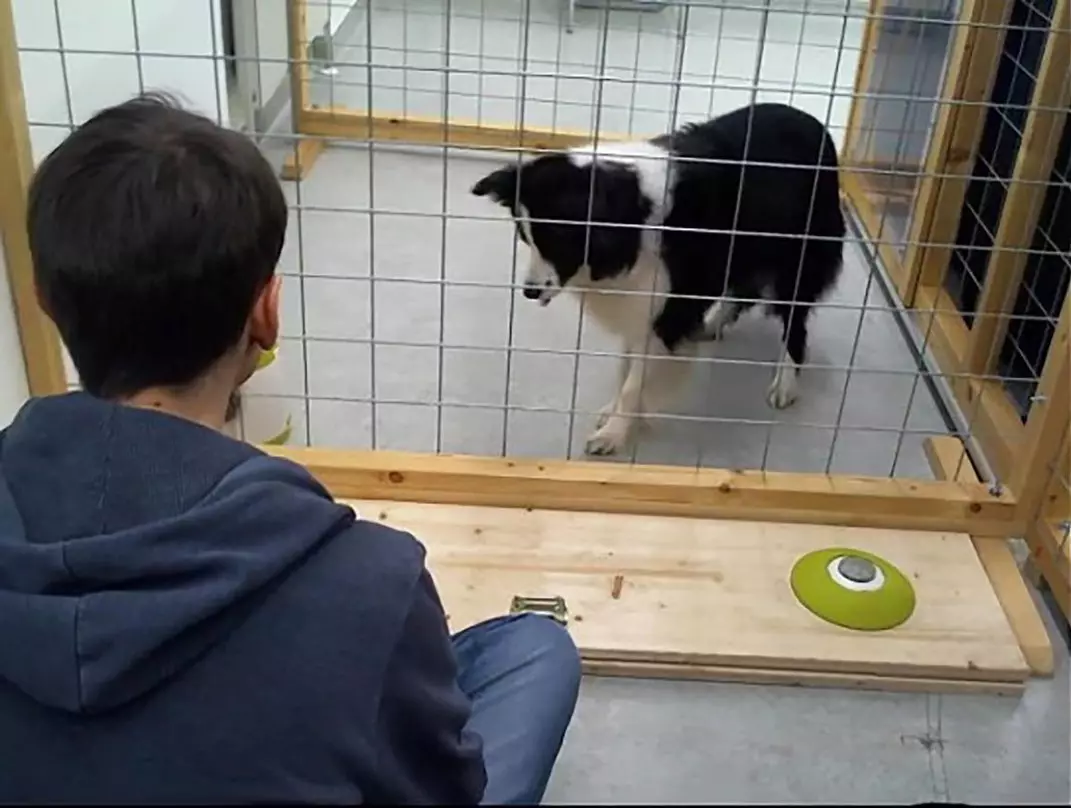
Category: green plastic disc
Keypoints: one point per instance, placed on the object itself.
(853, 589)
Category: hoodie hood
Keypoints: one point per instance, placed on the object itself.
(132, 541)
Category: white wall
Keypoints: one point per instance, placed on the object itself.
(13, 387)
(271, 43)
(181, 35)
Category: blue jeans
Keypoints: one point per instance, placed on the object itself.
(523, 675)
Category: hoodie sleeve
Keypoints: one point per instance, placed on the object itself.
(427, 755)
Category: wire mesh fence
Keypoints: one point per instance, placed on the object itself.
(405, 325)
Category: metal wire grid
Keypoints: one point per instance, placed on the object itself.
(639, 80)
(870, 303)
(598, 109)
(1046, 281)
(1002, 136)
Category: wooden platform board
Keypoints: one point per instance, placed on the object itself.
(711, 599)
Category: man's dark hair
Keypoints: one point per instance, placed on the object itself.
(152, 231)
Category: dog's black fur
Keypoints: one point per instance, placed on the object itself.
(774, 200)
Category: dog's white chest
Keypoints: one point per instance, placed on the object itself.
(626, 306)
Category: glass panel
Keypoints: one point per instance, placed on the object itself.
(1013, 89)
(911, 44)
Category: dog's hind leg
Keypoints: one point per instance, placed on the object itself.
(784, 389)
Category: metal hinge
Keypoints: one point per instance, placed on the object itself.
(553, 608)
(321, 52)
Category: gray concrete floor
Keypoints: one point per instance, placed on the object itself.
(640, 741)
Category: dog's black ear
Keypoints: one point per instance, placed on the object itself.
(500, 185)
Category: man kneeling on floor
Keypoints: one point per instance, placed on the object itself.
(184, 619)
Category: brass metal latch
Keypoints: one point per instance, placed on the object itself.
(553, 608)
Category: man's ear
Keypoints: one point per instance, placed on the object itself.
(264, 321)
(500, 185)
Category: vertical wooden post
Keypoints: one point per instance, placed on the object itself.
(1057, 505)
(306, 149)
(1022, 206)
(40, 342)
(1048, 535)
(1039, 456)
(948, 460)
(863, 71)
(297, 42)
(954, 144)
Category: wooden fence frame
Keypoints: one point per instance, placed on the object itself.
(956, 504)
(40, 343)
(1025, 456)
(965, 356)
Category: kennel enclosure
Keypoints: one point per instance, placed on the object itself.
(645, 556)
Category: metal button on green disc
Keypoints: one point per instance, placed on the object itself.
(857, 569)
(853, 589)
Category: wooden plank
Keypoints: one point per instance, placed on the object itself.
(659, 490)
(784, 678)
(344, 124)
(302, 157)
(860, 87)
(948, 459)
(1046, 535)
(306, 150)
(953, 146)
(40, 342)
(297, 38)
(1057, 505)
(354, 125)
(1049, 554)
(707, 592)
(1022, 205)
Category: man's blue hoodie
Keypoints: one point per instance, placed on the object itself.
(184, 619)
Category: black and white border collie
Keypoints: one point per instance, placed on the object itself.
(669, 240)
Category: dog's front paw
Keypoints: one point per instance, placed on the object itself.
(610, 438)
(604, 414)
(783, 390)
